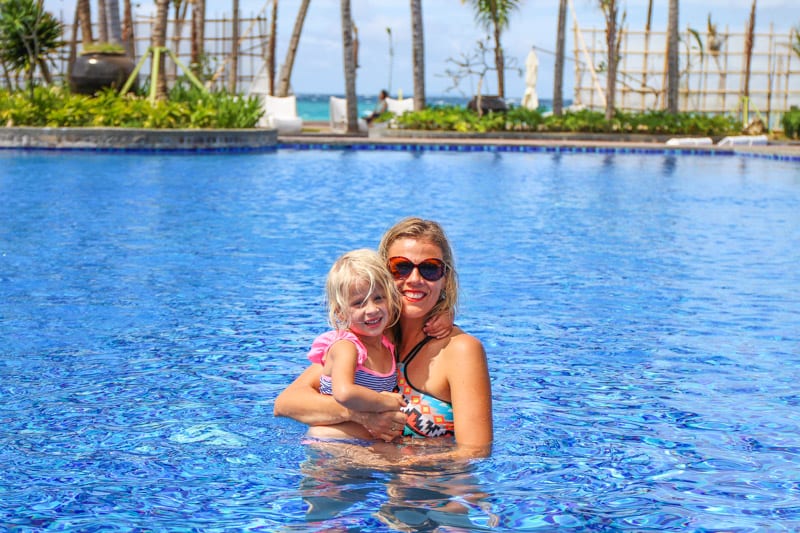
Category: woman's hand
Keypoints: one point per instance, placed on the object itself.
(386, 425)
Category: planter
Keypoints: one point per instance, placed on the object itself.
(94, 71)
(488, 103)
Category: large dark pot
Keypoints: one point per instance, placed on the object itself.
(488, 103)
(94, 71)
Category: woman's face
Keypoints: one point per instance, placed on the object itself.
(418, 295)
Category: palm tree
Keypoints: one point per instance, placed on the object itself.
(418, 54)
(273, 37)
(83, 10)
(494, 16)
(114, 25)
(610, 11)
(28, 36)
(349, 68)
(234, 74)
(159, 42)
(127, 28)
(102, 21)
(673, 73)
(291, 52)
(558, 82)
(198, 35)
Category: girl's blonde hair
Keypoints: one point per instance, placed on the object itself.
(433, 233)
(352, 268)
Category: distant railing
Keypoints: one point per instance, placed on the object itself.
(712, 80)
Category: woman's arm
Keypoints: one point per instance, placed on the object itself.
(470, 394)
(302, 401)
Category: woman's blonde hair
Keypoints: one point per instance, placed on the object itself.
(352, 268)
(430, 232)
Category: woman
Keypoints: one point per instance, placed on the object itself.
(445, 381)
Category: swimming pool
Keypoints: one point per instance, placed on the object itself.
(640, 313)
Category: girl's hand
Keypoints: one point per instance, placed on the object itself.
(439, 326)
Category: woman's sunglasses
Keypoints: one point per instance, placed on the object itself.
(430, 269)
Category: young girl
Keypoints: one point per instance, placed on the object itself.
(357, 358)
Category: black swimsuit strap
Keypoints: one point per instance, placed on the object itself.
(415, 350)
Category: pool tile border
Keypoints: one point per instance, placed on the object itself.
(527, 148)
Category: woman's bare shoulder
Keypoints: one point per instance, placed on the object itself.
(461, 343)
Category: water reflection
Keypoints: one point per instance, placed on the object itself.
(404, 486)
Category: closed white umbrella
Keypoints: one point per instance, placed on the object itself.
(530, 100)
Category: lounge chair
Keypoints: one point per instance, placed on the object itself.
(743, 140)
(398, 107)
(338, 116)
(689, 141)
(280, 113)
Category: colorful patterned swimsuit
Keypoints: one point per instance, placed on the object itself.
(428, 416)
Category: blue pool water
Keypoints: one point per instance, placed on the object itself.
(641, 315)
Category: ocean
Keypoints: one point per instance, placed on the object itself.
(314, 107)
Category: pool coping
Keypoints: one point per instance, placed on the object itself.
(319, 136)
(139, 139)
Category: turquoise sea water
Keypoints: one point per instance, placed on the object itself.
(315, 107)
(640, 314)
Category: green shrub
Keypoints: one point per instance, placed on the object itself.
(791, 123)
(186, 108)
(460, 119)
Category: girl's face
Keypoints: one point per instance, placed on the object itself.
(418, 294)
(368, 314)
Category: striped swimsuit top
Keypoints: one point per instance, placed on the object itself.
(364, 376)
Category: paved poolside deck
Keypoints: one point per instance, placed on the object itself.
(321, 133)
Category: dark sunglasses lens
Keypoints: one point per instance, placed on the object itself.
(401, 269)
(431, 270)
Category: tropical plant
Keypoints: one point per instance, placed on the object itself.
(495, 17)
(520, 119)
(29, 35)
(187, 107)
(791, 123)
(418, 54)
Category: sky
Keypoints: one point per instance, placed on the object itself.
(451, 31)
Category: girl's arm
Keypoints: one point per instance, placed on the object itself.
(302, 401)
(344, 357)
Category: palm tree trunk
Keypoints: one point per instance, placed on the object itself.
(418, 54)
(114, 26)
(198, 35)
(102, 21)
(611, 42)
(273, 37)
(673, 73)
(291, 52)
(499, 63)
(159, 41)
(748, 48)
(85, 17)
(235, 51)
(349, 67)
(127, 28)
(558, 81)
